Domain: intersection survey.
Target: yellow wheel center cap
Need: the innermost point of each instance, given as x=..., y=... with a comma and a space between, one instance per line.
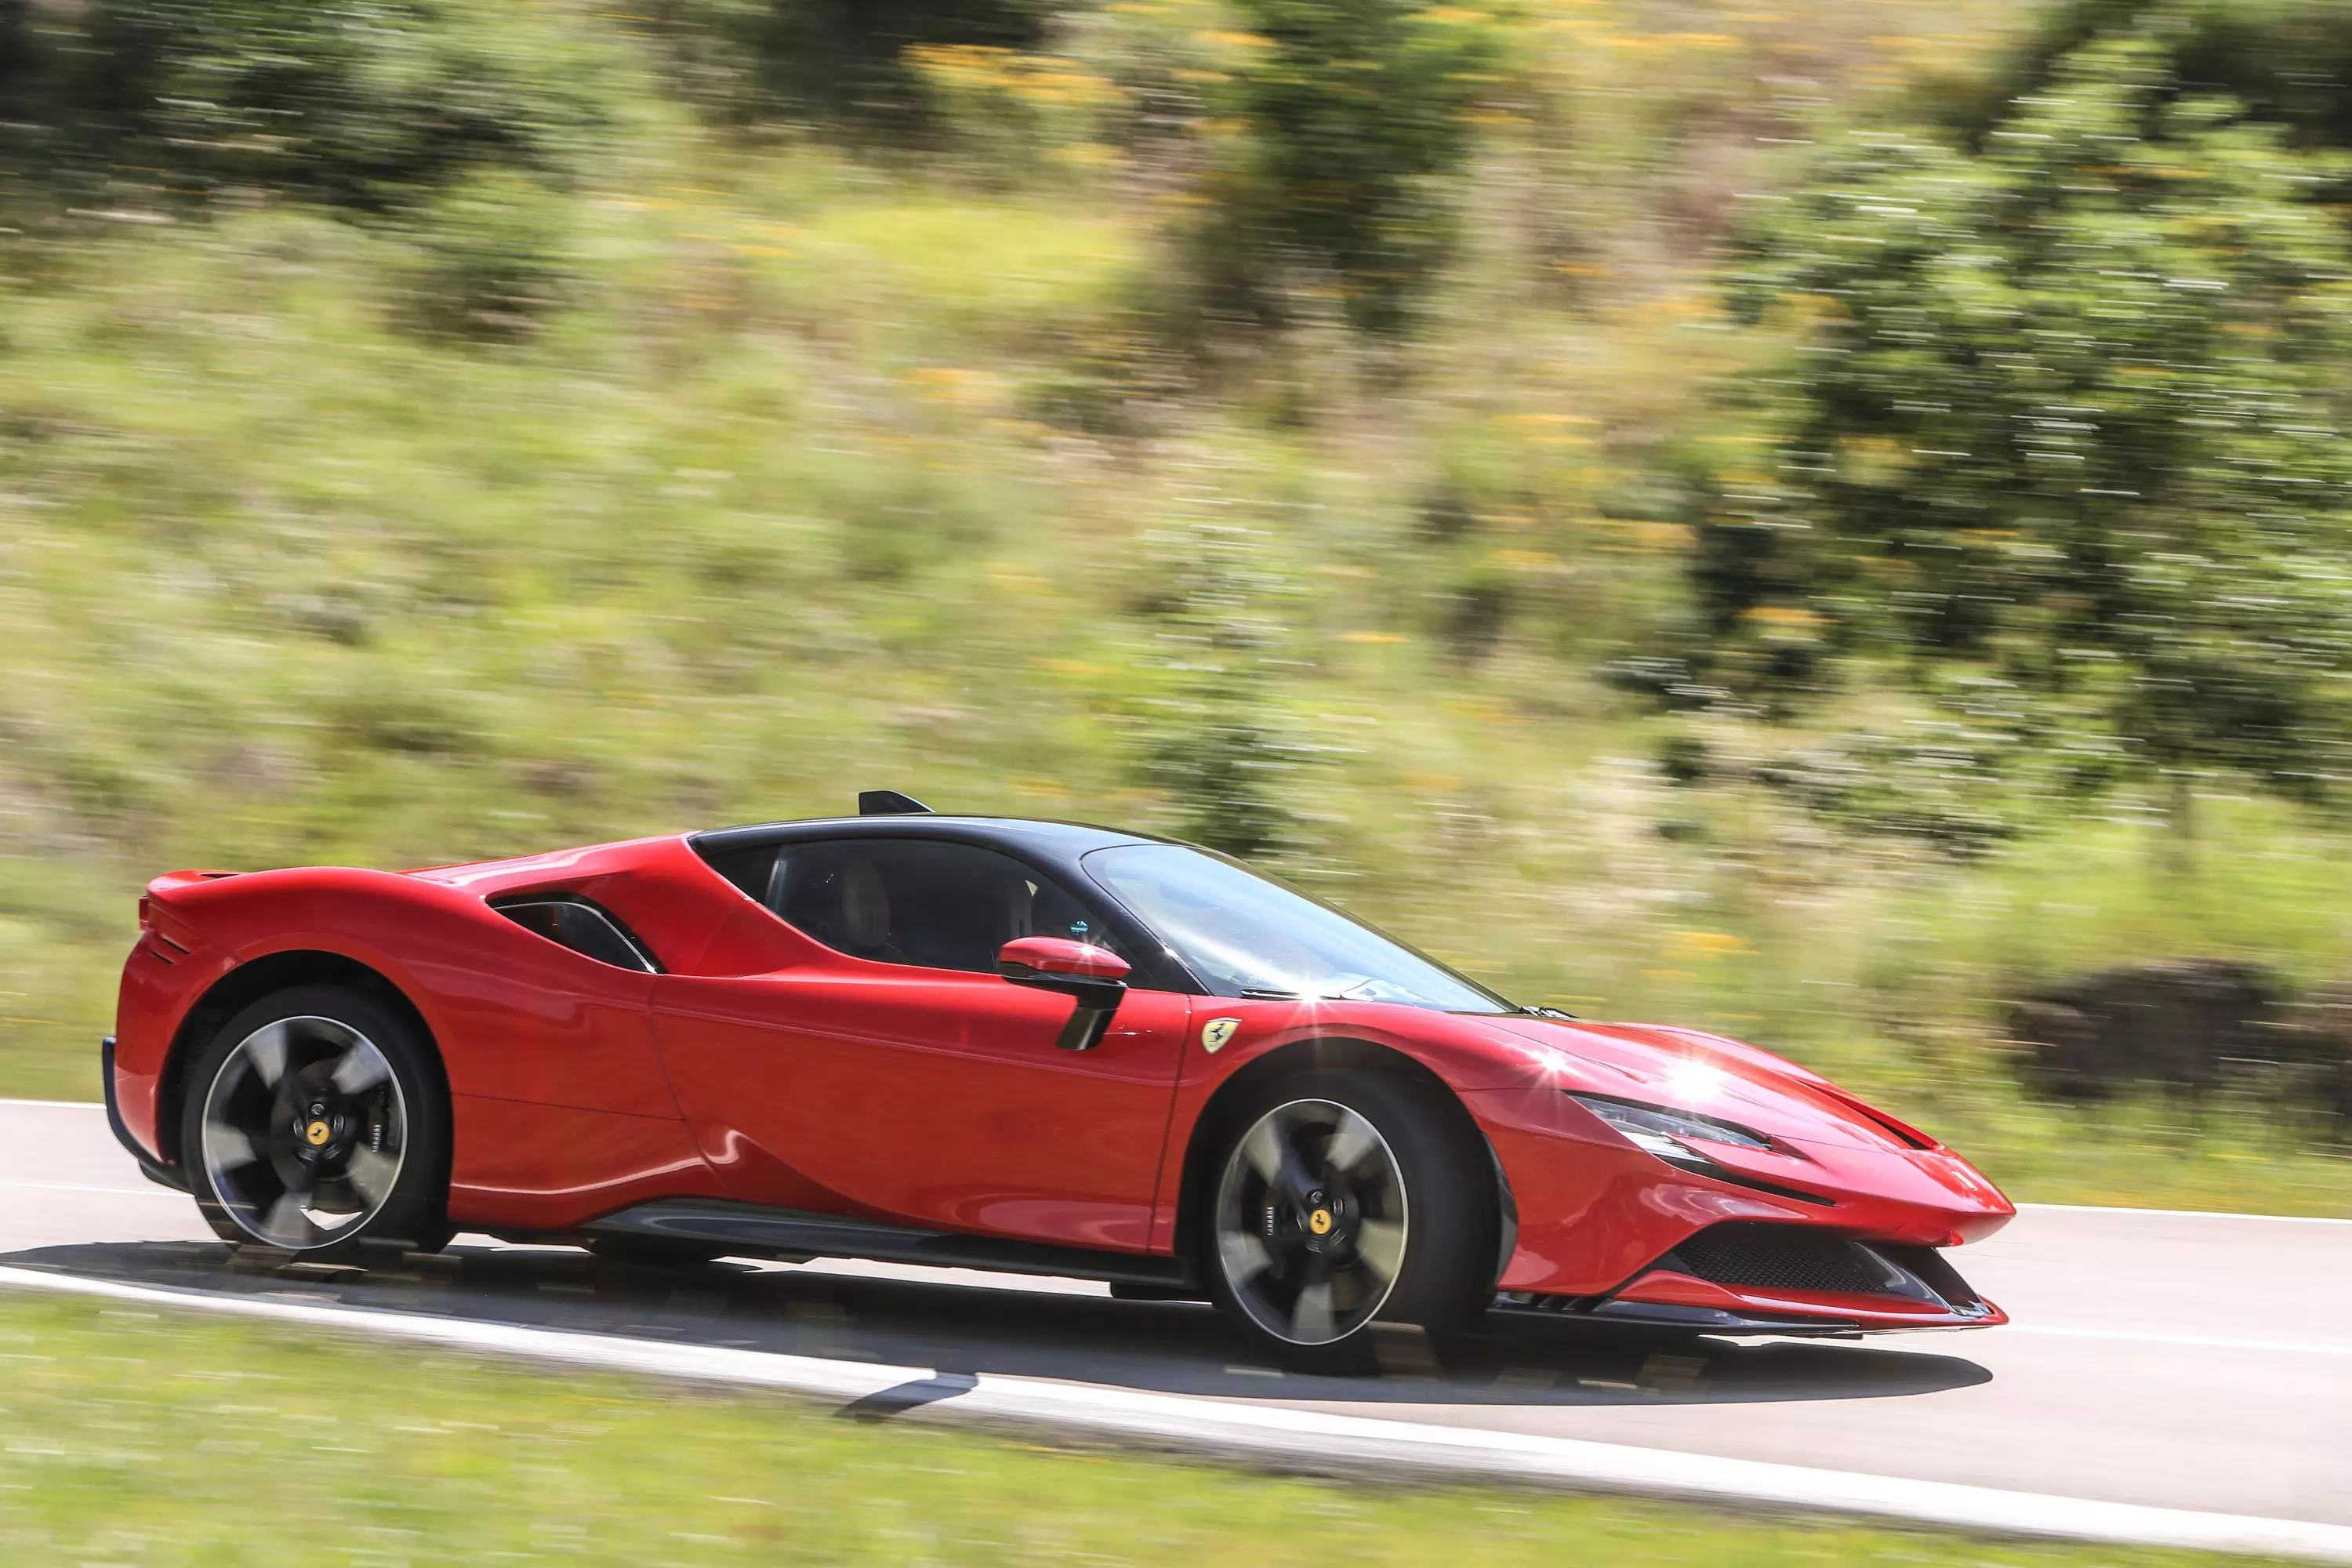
x=316, y=1134
x=1319, y=1222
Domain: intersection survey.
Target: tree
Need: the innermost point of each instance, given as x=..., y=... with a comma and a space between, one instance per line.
x=2286, y=60
x=1350, y=112
x=2059, y=444
x=1214, y=740
x=367, y=106
x=828, y=59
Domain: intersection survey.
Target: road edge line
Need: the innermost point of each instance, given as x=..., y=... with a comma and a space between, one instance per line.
x=1337, y=1445
x=2187, y=1214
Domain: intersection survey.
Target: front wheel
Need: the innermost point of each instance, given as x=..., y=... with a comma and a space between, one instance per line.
x=315, y=1125
x=1343, y=1200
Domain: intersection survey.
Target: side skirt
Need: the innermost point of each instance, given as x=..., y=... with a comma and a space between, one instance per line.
x=754, y=1231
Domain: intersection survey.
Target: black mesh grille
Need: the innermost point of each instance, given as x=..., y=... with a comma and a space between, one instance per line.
x=1778, y=1258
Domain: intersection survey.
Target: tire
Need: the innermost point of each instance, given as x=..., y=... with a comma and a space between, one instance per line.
x=317, y=1126
x=1339, y=1202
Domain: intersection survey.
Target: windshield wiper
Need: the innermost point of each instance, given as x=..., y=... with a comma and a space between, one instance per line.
x=1258, y=993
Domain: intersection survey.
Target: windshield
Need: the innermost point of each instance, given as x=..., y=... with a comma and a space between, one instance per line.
x=1244, y=936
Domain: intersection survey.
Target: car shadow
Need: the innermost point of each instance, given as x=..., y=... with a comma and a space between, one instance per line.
x=964, y=1329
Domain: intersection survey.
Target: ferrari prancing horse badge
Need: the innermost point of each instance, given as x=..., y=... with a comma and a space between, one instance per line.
x=1216, y=1032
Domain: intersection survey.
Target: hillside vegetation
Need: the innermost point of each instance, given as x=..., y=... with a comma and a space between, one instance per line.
x=1444, y=452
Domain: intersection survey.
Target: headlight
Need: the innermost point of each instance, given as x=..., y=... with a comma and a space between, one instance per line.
x=1661, y=1131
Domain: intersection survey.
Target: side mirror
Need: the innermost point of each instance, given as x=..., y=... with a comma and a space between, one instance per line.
x=1095, y=977
x=1058, y=955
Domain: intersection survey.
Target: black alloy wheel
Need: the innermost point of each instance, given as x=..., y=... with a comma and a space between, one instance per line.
x=1343, y=1201
x=316, y=1124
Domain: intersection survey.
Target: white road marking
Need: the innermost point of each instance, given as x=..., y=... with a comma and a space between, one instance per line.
x=147, y=1191
x=2186, y=1341
x=1348, y=1444
x=2183, y=1214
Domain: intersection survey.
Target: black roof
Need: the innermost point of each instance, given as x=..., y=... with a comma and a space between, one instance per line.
x=1049, y=844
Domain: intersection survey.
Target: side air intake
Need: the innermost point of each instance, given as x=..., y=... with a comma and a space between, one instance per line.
x=587, y=928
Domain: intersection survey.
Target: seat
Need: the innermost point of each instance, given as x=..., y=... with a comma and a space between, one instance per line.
x=864, y=909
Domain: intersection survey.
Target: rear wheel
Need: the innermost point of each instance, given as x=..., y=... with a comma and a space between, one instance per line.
x=316, y=1125
x=1343, y=1201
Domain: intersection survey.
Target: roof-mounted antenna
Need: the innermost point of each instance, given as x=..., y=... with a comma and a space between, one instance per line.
x=889, y=803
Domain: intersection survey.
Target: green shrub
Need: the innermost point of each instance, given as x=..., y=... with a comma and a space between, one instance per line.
x=2059, y=447
x=490, y=258
x=748, y=60
x=1342, y=118
x=1010, y=117
x=2288, y=61
x=1213, y=739
x=367, y=105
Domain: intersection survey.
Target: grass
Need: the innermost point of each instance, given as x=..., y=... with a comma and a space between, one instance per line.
x=778, y=506
x=130, y=1435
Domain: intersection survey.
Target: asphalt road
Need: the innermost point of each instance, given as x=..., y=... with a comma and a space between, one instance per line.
x=2177, y=1361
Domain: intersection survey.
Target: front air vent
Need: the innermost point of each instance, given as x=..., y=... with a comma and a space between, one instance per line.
x=1759, y=1255
x=1777, y=1257
x=587, y=928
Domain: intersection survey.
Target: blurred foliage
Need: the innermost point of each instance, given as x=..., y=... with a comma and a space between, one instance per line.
x=817, y=61
x=1213, y=739
x=1015, y=117
x=459, y=124
x=2286, y=61
x=1338, y=122
x=363, y=104
x=491, y=258
x=2060, y=444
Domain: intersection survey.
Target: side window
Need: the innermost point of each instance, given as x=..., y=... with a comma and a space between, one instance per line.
x=748, y=869
x=582, y=927
x=922, y=901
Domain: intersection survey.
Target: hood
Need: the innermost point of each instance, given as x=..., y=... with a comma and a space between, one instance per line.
x=1713, y=1076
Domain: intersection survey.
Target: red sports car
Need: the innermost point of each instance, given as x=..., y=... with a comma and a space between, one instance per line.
x=997, y=1044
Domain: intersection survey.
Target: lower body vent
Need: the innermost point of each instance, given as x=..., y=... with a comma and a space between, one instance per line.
x=1763, y=1255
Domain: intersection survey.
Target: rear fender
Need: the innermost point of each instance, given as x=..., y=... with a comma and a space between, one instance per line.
x=515, y=1016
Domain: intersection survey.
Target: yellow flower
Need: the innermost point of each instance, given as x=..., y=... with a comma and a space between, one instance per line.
x=1709, y=943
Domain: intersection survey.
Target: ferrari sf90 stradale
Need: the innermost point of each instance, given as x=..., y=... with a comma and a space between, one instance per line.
x=1000, y=1044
